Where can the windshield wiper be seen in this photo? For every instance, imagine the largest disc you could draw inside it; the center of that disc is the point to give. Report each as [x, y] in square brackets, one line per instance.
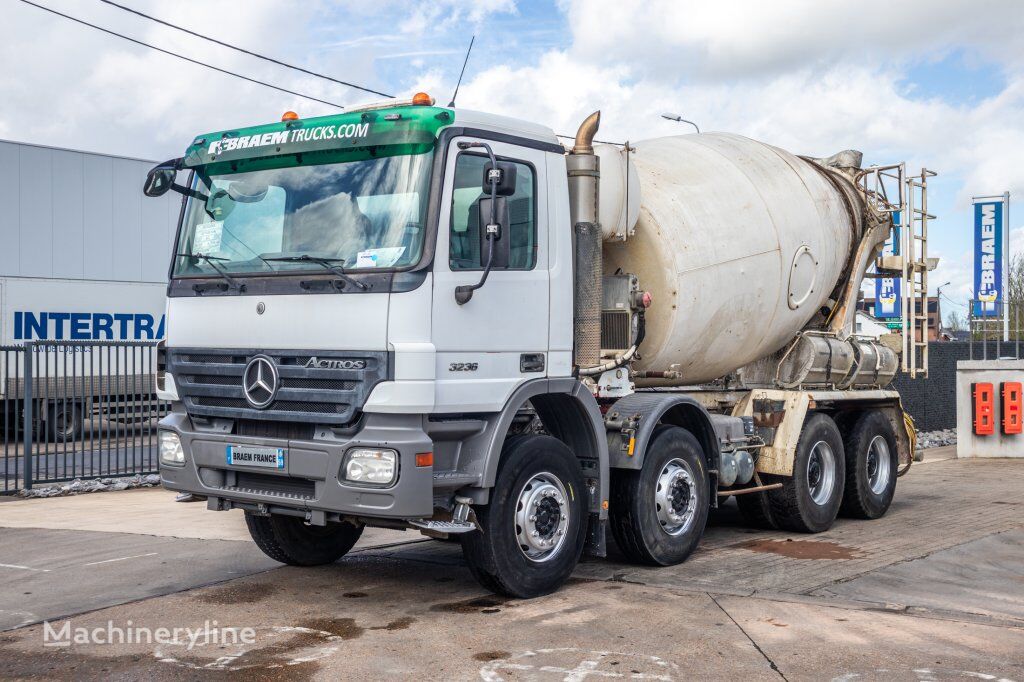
[332, 264]
[212, 262]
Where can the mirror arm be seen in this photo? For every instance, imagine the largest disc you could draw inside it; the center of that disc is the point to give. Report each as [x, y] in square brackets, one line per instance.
[464, 292]
[189, 192]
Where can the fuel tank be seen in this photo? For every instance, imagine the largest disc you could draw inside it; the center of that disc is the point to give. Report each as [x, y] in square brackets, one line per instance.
[740, 243]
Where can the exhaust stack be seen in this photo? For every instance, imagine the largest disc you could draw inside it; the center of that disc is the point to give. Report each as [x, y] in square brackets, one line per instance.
[584, 168]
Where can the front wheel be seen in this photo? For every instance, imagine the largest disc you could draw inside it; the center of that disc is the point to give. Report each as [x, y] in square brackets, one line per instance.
[290, 540]
[658, 514]
[534, 526]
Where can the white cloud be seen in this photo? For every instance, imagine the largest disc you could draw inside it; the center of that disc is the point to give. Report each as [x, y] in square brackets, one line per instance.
[740, 39]
[810, 76]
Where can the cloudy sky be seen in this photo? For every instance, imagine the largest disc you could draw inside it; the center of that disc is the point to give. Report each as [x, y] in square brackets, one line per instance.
[937, 83]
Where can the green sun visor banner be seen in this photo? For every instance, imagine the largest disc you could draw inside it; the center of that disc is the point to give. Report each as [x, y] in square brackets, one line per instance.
[326, 139]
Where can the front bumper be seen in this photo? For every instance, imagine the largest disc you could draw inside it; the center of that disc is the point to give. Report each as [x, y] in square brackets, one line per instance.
[310, 483]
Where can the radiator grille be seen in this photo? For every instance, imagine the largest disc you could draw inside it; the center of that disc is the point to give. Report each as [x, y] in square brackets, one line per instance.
[210, 384]
[280, 430]
[615, 334]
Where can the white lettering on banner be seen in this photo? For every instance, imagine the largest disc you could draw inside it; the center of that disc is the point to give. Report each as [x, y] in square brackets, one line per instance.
[325, 132]
[987, 286]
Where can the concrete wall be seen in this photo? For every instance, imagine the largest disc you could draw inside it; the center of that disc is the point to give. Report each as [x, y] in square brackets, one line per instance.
[932, 401]
[994, 372]
[76, 215]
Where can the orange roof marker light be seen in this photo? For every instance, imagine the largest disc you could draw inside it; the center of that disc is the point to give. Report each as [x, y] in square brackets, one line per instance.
[289, 116]
[422, 99]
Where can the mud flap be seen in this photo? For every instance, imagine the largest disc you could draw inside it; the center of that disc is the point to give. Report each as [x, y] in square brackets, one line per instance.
[596, 543]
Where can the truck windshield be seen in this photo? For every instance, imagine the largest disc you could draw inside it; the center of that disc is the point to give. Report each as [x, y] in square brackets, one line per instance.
[362, 215]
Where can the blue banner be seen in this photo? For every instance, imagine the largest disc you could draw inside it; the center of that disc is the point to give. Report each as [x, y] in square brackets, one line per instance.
[887, 289]
[988, 257]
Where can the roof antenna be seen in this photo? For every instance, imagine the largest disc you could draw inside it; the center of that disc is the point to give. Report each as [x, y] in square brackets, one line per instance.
[461, 73]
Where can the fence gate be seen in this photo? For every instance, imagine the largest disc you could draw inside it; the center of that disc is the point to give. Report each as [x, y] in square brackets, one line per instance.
[78, 410]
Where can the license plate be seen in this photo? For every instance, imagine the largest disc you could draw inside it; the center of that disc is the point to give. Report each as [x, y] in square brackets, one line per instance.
[253, 456]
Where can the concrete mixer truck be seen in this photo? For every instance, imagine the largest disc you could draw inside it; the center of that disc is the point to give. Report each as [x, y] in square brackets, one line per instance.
[418, 317]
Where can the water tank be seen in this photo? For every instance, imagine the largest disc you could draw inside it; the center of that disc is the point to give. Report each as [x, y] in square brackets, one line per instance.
[740, 243]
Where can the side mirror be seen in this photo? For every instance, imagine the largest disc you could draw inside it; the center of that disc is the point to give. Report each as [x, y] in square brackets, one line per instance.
[506, 179]
[159, 180]
[503, 239]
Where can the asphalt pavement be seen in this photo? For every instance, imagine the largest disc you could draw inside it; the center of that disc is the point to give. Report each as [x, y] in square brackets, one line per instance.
[934, 591]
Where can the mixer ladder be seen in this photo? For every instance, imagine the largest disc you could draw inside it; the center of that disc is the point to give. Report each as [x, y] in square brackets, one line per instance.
[905, 198]
[916, 264]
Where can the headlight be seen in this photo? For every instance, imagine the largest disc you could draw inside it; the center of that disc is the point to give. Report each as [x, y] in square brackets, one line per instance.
[171, 451]
[370, 466]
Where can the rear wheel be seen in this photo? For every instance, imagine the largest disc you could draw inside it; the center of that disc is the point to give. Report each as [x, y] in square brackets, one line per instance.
[535, 523]
[658, 514]
[64, 421]
[756, 510]
[809, 500]
[290, 540]
[871, 464]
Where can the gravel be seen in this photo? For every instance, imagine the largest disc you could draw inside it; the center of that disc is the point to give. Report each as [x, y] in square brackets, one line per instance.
[96, 485]
[935, 439]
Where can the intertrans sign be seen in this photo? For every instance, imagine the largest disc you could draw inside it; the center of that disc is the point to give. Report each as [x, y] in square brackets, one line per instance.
[79, 326]
[990, 249]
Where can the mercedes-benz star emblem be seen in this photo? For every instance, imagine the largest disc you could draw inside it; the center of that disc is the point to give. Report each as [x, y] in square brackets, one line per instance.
[260, 381]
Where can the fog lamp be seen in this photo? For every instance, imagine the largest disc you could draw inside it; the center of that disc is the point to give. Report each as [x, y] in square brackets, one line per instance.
[171, 451]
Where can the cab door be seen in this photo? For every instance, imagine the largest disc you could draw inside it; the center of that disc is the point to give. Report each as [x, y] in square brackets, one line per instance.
[486, 347]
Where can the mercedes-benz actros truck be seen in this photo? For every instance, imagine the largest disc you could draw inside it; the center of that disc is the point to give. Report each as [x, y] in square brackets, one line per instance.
[419, 317]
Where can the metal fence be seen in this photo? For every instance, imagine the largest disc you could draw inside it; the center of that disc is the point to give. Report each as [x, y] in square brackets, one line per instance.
[995, 329]
[77, 410]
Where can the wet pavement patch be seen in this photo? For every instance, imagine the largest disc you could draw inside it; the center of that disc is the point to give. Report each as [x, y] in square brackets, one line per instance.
[486, 656]
[397, 624]
[345, 628]
[802, 549]
[476, 605]
[242, 593]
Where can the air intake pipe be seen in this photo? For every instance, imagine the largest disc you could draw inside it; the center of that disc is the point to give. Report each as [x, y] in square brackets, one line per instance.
[584, 170]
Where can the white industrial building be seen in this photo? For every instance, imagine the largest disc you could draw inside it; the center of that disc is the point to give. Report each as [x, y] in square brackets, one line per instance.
[84, 253]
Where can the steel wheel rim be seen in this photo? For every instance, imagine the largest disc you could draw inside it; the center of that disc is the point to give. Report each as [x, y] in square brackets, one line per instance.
[542, 517]
[821, 473]
[878, 465]
[675, 497]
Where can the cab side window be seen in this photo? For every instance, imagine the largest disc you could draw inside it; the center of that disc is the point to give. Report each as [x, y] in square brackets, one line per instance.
[465, 243]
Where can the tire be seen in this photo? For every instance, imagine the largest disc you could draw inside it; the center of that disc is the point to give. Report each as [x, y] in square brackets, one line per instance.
[64, 421]
[756, 510]
[647, 524]
[289, 540]
[535, 472]
[809, 500]
[871, 464]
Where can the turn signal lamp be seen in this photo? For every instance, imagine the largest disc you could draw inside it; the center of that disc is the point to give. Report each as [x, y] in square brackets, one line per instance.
[289, 116]
[422, 99]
